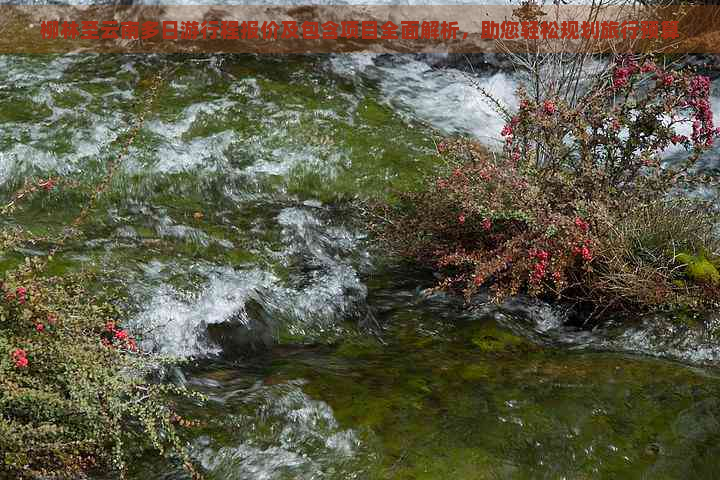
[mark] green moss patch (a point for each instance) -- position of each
(699, 269)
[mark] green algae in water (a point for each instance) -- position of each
(492, 339)
(475, 372)
(363, 347)
(458, 411)
(15, 108)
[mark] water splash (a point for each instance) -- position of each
(295, 437)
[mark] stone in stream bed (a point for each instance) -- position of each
(489, 338)
(475, 372)
(246, 332)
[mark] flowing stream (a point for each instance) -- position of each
(232, 228)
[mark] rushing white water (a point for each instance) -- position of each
(315, 304)
(250, 137)
(222, 256)
(447, 99)
(303, 440)
(243, 135)
(175, 322)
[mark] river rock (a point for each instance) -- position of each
(248, 331)
(481, 63)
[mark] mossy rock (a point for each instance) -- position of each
(475, 372)
(493, 339)
(699, 269)
(686, 316)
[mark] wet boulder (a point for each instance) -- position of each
(248, 331)
(479, 63)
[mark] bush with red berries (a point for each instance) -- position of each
(579, 205)
(78, 398)
(614, 139)
(76, 395)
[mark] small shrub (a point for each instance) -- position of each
(612, 142)
(487, 221)
(578, 205)
(74, 394)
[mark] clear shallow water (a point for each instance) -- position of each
(447, 395)
(233, 230)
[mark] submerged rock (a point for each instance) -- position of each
(247, 332)
(693, 338)
(489, 338)
(480, 63)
